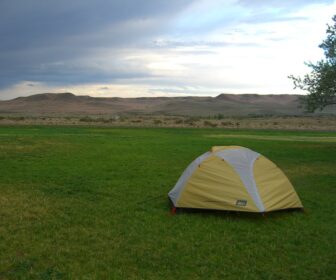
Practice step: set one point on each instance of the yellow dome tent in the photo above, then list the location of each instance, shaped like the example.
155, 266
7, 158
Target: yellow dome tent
234, 178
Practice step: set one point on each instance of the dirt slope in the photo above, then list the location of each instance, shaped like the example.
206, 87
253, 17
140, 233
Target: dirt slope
226, 104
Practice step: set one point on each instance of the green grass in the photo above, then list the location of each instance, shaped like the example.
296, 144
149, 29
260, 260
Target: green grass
91, 203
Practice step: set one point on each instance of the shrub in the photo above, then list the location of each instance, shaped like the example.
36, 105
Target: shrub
86, 119
17, 118
227, 123
219, 116
208, 123
157, 122
191, 121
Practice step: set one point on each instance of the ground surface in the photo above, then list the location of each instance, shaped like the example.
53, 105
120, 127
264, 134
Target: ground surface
227, 104
326, 123
91, 203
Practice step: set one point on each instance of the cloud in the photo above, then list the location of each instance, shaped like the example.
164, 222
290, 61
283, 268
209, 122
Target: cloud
163, 43
285, 4
66, 41
39, 22
157, 46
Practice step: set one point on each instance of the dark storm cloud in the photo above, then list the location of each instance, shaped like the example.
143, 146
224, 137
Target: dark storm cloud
55, 41
39, 22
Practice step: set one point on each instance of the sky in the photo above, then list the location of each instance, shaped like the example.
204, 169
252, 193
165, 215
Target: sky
132, 48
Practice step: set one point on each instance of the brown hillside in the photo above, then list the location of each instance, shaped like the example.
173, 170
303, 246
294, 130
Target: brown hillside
226, 104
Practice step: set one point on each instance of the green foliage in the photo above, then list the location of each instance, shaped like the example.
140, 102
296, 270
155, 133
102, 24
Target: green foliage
91, 203
320, 83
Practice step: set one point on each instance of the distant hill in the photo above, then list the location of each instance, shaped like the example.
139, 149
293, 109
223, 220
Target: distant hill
226, 104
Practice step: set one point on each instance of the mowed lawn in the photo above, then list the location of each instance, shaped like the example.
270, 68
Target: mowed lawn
91, 203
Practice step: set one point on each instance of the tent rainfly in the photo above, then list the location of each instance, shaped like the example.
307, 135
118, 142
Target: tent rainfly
234, 178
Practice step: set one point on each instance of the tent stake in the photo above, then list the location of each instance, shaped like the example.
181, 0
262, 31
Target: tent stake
173, 211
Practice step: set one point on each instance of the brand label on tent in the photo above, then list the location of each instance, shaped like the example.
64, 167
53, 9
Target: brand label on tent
241, 202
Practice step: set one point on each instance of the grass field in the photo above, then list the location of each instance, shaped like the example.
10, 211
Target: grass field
91, 203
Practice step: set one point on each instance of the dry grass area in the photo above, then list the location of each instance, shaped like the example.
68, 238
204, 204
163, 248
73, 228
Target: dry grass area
272, 122
328, 139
